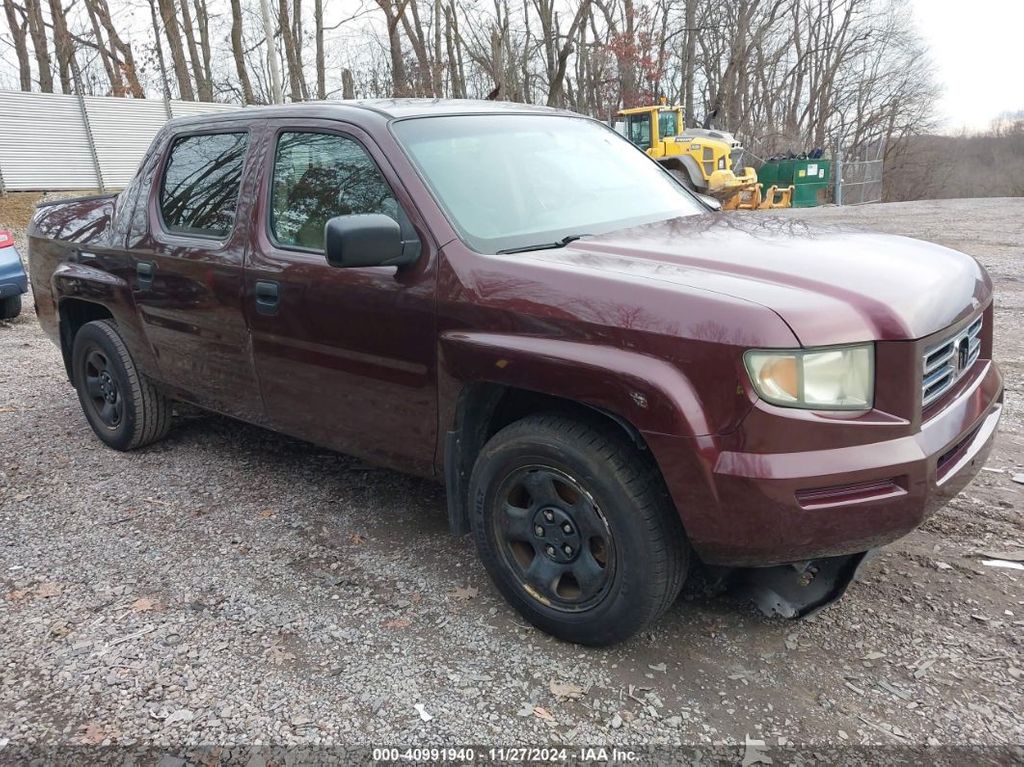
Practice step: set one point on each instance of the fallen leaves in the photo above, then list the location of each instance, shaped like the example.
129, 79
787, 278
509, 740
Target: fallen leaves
356, 539
565, 690
542, 713
145, 604
94, 733
45, 590
464, 594
397, 623
267, 514
48, 589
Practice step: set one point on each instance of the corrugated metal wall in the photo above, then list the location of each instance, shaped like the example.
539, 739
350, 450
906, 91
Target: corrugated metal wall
44, 140
43, 143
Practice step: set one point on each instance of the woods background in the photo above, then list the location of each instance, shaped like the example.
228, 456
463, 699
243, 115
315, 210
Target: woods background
785, 75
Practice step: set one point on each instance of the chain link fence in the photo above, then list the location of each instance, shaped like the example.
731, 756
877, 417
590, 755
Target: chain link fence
858, 175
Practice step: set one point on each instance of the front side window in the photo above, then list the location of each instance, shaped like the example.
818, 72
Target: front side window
667, 125
521, 180
639, 130
318, 176
200, 187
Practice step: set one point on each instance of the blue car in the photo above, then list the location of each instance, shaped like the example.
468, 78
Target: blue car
13, 280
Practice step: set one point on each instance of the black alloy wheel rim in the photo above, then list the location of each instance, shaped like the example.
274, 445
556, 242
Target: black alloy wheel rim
554, 538
102, 389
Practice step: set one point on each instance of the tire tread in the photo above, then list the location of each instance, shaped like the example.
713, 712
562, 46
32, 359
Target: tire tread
151, 409
641, 480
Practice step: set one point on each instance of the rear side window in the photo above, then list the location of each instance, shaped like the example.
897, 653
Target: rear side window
200, 187
318, 176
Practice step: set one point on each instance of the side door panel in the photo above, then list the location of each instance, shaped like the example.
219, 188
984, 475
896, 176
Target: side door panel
189, 293
346, 358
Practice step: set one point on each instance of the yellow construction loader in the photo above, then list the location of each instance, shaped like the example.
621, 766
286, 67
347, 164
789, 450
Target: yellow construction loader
704, 160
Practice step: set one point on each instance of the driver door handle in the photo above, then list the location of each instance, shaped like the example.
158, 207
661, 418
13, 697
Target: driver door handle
266, 297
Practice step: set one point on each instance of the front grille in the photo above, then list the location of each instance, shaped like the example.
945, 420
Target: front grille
946, 362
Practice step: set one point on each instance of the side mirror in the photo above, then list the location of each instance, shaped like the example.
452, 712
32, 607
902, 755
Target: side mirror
712, 202
367, 239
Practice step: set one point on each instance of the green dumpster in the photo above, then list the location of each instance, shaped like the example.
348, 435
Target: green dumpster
811, 182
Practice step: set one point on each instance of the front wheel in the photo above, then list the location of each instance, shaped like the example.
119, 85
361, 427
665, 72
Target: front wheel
122, 407
576, 529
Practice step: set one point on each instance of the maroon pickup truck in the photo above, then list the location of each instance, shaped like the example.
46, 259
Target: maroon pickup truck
614, 381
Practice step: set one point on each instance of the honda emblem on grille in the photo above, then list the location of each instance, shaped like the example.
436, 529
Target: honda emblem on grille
963, 353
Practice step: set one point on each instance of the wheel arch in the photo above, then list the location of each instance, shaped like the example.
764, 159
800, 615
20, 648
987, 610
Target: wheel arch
490, 380
82, 294
74, 313
688, 165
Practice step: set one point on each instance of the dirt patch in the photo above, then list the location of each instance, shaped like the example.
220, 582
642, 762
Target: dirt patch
16, 209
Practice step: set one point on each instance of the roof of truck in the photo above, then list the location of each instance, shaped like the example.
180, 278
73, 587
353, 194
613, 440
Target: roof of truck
386, 108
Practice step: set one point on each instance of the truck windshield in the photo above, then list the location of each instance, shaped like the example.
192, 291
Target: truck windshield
518, 182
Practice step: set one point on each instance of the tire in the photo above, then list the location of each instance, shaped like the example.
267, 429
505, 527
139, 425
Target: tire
683, 178
122, 407
549, 482
10, 307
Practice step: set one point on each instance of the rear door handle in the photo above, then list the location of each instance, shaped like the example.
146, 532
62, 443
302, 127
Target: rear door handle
144, 270
266, 297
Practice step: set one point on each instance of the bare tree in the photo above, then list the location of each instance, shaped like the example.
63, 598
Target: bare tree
169, 16
63, 46
17, 21
238, 52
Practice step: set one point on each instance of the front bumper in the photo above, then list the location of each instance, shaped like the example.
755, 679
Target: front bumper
758, 509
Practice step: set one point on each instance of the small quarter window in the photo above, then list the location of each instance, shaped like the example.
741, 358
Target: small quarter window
201, 182
318, 176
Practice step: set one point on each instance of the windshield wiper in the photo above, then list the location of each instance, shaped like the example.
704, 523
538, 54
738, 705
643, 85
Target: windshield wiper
546, 245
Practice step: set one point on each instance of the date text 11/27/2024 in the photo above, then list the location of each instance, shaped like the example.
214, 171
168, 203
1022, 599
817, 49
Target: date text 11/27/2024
503, 754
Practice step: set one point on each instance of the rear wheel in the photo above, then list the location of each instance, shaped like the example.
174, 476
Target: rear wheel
10, 307
122, 407
576, 530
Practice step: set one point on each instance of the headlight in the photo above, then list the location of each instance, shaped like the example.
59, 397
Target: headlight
841, 378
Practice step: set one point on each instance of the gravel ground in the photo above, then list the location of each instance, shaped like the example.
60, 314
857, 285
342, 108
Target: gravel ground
232, 586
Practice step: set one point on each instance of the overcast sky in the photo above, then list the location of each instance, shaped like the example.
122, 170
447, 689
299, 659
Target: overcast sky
978, 49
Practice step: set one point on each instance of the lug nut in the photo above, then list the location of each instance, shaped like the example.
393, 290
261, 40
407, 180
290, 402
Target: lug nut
567, 528
550, 550
549, 516
539, 531
567, 549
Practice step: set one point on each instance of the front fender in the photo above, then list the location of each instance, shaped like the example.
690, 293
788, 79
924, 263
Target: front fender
649, 393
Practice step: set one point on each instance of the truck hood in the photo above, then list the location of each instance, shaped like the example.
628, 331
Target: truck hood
831, 285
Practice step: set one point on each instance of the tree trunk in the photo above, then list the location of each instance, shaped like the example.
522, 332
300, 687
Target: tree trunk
348, 86
19, 33
158, 46
203, 88
689, 60
63, 46
203, 22
454, 47
393, 15
275, 72
37, 31
110, 67
290, 56
321, 66
169, 15
238, 51
121, 52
